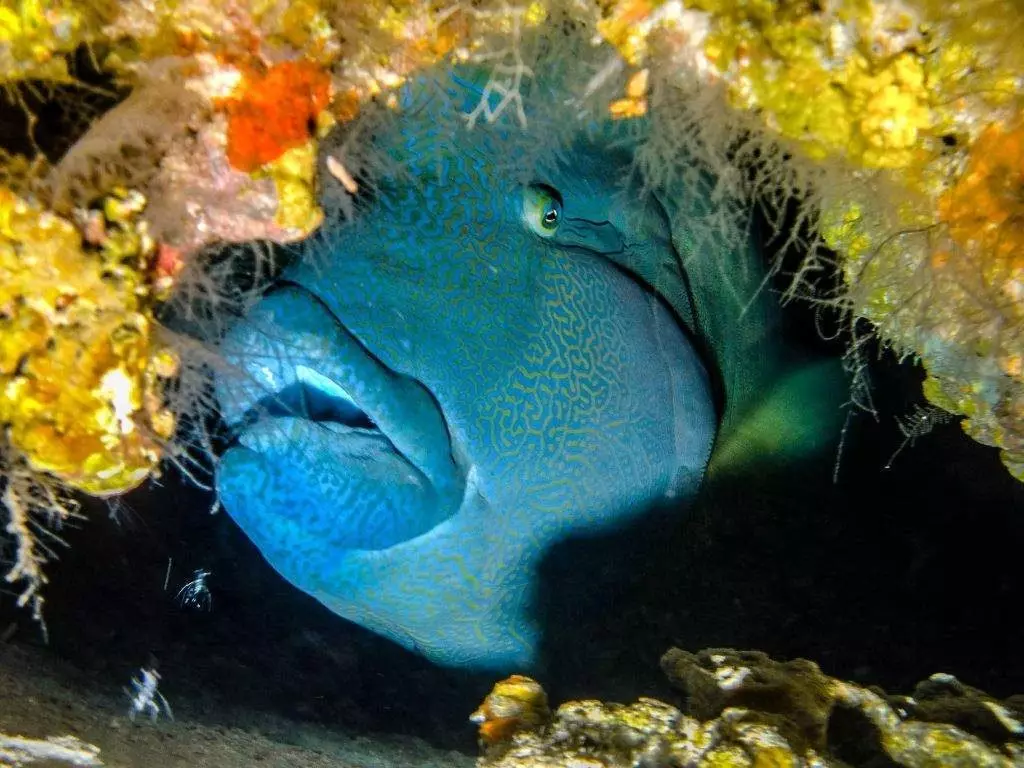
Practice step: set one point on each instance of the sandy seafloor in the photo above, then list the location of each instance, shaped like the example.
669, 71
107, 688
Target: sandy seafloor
41, 697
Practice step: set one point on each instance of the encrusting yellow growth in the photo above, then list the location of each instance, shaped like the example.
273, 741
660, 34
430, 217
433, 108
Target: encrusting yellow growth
35, 35
920, 105
932, 94
80, 372
837, 81
746, 710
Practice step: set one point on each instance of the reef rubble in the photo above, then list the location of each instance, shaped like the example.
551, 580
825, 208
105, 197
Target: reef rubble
742, 708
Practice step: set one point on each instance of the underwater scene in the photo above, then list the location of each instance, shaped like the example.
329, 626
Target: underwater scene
568, 384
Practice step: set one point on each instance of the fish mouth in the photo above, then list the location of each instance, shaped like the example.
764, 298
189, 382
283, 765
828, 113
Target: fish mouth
313, 397
319, 409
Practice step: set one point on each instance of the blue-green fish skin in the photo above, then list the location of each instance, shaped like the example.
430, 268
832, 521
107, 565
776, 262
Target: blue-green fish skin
525, 383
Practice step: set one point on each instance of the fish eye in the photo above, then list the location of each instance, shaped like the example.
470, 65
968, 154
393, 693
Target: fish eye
542, 209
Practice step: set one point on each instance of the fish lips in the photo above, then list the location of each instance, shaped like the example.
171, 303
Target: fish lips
321, 411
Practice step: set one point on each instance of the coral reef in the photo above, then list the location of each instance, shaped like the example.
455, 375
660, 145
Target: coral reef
745, 709
794, 697
921, 104
79, 369
515, 704
35, 36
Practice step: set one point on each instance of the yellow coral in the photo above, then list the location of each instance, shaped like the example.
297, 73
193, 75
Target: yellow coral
35, 33
621, 27
515, 704
923, 89
79, 368
294, 174
953, 294
890, 111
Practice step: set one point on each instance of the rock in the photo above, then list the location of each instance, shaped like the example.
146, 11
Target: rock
746, 710
795, 697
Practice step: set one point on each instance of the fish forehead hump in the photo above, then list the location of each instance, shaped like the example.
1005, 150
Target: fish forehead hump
521, 341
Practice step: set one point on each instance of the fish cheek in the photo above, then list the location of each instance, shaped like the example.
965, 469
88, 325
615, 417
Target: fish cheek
246, 486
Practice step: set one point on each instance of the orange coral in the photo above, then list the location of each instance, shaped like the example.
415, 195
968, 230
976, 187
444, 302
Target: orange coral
985, 208
515, 704
274, 112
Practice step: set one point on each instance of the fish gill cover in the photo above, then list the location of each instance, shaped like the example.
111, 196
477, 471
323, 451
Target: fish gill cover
207, 135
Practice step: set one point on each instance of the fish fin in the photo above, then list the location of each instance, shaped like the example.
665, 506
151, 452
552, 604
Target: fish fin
799, 417
778, 407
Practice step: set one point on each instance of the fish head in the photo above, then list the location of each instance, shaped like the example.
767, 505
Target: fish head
494, 351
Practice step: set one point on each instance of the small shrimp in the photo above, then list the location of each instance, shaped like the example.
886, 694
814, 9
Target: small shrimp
196, 593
